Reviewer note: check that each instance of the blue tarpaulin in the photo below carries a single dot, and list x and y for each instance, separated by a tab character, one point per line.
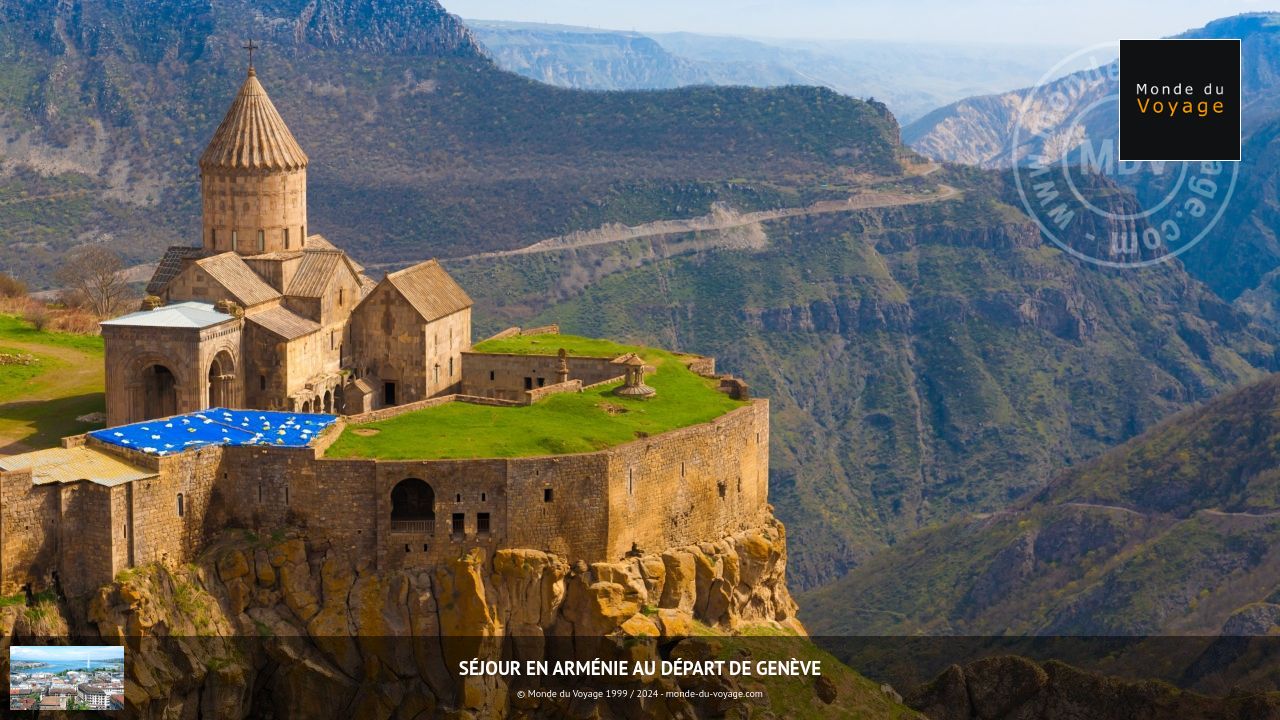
217	426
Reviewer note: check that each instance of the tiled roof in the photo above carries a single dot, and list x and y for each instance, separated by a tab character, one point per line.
314	273
253	136
170	265
63	465
318	242
231	271
178	315
283	322
430	290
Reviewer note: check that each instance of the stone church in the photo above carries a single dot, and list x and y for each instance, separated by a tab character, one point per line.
264	314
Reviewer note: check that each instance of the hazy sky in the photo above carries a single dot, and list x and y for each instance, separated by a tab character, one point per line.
1040	22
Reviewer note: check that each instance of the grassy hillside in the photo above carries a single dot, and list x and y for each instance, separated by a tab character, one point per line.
921	361
47	380
1173	533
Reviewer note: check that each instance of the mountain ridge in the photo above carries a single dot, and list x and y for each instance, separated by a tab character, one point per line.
1170	533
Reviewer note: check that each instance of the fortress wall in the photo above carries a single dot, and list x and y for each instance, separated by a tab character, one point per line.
28	532
159	532
85	538
120	531
574	522
690	485
267	487
465	487
500	375
341	502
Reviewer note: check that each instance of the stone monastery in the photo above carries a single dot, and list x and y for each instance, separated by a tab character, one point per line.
264	315
257	350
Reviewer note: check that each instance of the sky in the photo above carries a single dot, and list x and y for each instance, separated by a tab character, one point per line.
1037	22
64	653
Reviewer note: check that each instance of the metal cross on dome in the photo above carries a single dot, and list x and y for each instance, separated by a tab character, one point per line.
251	47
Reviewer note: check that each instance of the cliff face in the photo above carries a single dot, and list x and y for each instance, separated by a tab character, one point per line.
293	626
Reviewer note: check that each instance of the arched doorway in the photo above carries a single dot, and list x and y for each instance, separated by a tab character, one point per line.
413	507
328	401
339	403
222	380
306	406
159	392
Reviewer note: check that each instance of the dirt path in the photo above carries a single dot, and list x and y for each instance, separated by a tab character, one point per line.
719	218
50	196
85	368
1253	516
59	389
1098	506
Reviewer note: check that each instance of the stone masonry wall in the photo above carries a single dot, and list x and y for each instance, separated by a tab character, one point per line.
159	532
690	485
28	532
508	376
85	540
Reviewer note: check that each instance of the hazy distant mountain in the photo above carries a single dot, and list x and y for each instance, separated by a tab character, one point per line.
979	130
911	78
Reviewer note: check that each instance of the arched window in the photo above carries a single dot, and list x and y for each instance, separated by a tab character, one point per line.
413	507
181	508
262	241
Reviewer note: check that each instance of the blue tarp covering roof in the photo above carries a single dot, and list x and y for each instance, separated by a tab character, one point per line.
217	426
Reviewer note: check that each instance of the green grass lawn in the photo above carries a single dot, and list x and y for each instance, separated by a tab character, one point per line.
551	344
15	328
40	403
566	423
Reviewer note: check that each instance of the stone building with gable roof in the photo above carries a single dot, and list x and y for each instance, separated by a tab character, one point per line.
263	314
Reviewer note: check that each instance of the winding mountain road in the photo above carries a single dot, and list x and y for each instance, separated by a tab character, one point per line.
720	218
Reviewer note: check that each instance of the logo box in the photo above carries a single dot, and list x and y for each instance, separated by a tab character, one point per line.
1180	100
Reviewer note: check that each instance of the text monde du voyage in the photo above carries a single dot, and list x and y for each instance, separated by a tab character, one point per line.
1181	99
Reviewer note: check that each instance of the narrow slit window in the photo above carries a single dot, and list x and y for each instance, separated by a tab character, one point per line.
181	508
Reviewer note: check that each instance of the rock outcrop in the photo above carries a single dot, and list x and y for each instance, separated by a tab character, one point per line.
298	627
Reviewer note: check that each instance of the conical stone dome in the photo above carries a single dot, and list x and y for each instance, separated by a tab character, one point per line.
253	136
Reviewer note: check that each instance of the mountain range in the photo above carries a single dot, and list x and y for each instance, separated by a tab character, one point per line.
1173	533
421	147
980	130
911	78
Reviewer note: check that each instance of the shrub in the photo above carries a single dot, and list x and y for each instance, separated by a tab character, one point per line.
38	315
11	287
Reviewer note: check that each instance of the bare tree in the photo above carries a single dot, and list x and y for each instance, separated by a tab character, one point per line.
97	275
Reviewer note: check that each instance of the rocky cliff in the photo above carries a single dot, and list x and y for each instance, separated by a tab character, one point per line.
286	627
